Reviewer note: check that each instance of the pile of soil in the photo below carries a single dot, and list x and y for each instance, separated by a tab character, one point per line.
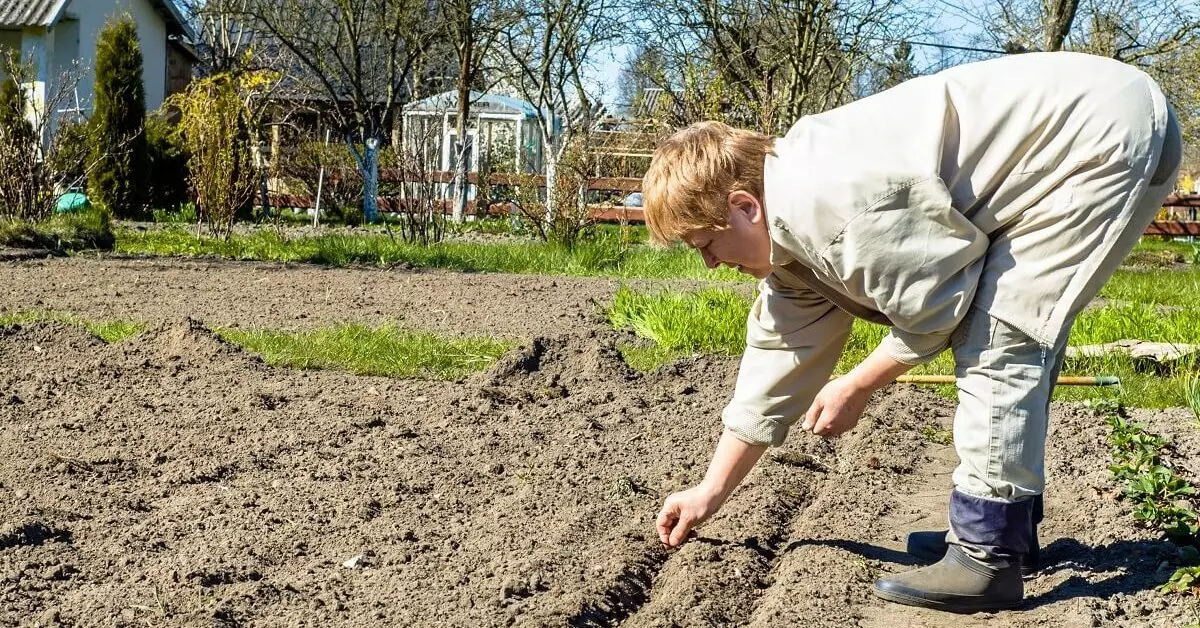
172	479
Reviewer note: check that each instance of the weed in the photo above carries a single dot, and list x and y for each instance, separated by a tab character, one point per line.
605	256
937	434
1161	499
1192	395
1185	580
386	351
108	331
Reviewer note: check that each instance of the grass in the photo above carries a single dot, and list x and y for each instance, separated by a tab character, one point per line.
386	351
60	233
603	257
1151	306
108	331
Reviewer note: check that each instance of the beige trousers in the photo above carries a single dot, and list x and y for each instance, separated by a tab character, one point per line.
1005	378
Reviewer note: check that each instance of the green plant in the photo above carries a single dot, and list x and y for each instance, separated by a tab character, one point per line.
386	351
1185	580
167	183
108	331
70	155
117	180
1192	393
1160	498
213	123
187	213
61	233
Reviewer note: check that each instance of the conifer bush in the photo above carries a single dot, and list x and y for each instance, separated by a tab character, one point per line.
117	180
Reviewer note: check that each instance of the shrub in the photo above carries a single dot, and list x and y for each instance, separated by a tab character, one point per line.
167	187
116	182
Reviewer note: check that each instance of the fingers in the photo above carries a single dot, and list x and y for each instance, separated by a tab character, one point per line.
680	534
666	523
810	417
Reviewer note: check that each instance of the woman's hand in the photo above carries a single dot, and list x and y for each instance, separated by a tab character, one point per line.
836	409
685	510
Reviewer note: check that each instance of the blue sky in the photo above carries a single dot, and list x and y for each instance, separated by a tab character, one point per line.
954	24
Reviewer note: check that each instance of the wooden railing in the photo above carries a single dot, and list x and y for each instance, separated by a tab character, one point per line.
1182	210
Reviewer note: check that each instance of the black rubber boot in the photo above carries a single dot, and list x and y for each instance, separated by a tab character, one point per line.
930	545
958	584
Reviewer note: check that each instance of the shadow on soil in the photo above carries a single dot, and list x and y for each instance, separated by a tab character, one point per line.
1133	565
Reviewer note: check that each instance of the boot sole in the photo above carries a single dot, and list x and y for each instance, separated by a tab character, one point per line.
951	607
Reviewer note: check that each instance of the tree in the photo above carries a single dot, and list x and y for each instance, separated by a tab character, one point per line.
765	63
896	68
33	151
354	59
547	61
119	140
224	42
472	28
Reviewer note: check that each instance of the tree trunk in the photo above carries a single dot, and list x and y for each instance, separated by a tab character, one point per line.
370	173
1060	14
461	129
551	158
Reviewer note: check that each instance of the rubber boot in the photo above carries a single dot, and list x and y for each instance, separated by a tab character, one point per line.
958	584
930	545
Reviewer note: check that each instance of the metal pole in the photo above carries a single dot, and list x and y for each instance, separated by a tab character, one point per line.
320	183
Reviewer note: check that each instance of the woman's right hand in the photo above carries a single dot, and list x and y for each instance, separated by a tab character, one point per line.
685	510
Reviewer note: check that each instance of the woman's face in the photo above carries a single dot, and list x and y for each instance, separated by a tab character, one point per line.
744	244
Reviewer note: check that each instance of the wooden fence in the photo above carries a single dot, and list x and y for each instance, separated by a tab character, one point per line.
1180	216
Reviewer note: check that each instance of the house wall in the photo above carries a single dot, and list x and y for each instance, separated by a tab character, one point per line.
92	15
10	41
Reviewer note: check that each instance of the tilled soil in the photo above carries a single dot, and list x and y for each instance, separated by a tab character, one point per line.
300	296
172	479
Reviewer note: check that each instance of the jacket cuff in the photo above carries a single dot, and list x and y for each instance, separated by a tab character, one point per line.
753	428
914	349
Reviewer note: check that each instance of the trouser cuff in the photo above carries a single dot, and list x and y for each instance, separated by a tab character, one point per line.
995	528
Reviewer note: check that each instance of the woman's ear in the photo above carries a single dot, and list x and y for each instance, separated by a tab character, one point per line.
746	203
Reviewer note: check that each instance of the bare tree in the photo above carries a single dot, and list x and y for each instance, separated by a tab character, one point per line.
473	27
1134	31
765	63
548	56
224	41
352	58
30	130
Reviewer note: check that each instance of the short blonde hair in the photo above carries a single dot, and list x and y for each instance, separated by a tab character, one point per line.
694	171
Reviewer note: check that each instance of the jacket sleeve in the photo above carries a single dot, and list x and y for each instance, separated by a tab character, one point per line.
794	338
918	259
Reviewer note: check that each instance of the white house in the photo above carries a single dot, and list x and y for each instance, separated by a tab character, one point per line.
57	36
501	126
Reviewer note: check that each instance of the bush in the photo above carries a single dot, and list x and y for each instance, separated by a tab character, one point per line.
117	183
72	145
213	123
167	187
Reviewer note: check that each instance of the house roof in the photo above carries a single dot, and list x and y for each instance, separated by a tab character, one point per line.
480	103
26	13
30	12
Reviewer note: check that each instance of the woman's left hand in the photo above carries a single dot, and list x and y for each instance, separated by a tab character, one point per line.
836	409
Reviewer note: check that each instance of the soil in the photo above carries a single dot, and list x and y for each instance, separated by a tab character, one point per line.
172	479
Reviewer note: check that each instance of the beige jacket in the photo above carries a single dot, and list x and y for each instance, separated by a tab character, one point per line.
950	191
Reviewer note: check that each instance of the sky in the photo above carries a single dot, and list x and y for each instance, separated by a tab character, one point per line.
954	24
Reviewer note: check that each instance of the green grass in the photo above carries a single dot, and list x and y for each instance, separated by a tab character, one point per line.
108	331
60	233
713	321
386	351
603	257
1189	250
